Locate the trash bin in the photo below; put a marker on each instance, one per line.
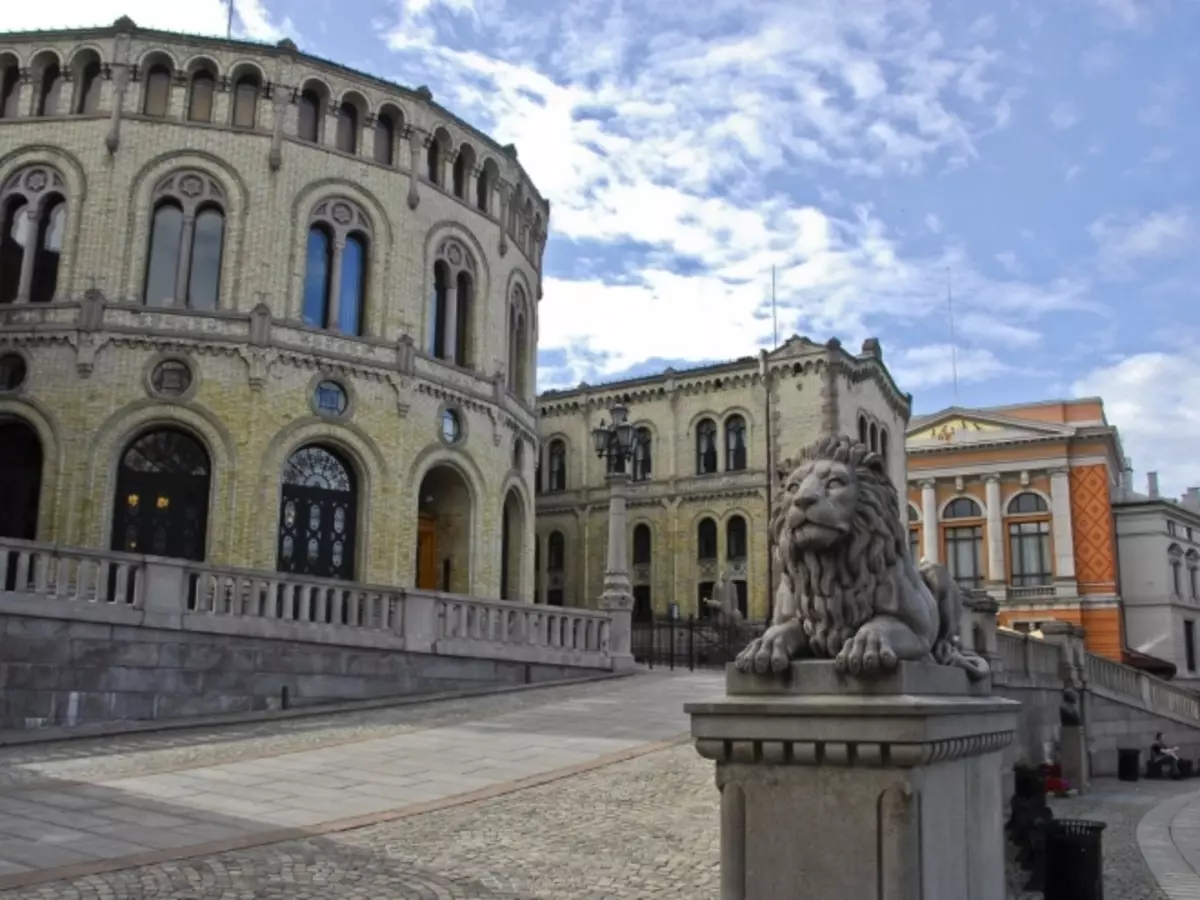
(1074, 860)
(1129, 763)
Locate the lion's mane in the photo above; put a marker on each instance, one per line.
(839, 588)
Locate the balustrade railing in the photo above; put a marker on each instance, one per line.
(71, 575)
(504, 622)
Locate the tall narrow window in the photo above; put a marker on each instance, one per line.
(12, 246)
(873, 438)
(460, 175)
(200, 97)
(643, 456)
(166, 237)
(308, 124)
(87, 92)
(319, 264)
(556, 552)
(10, 92)
(883, 445)
(385, 139)
(347, 127)
(735, 538)
(1189, 644)
(157, 97)
(483, 190)
(735, 444)
(558, 466)
(352, 291)
(245, 102)
(433, 161)
(862, 429)
(1176, 582)
(642, 544)
(50, 92)
(964, 542)
(706, 539)
(204, 279)
(706, 447)
(440, 317)
(1029, 553)
(52, 225)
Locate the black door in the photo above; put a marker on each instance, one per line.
(317, 515)
(20, 480)
(161, 505)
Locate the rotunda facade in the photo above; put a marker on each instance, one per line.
(262, 311)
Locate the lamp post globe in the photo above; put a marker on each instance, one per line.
(616, 443)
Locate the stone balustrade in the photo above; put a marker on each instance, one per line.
(127, 589)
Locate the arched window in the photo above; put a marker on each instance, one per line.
(883, 445)
(964, 542)
(161, 503)
(873, 438)
(862, 429)
(462, 166)
(245, 100)
(1029, 540)
(337, 263)
(1027, 503)
(34, 217)
(735, 444)
(87, 90)
(452, 316)
(318, 514)
(735, 538)
(433, 160)
(385, 138)
(556, 552)
(483, 187)
(20, 482)
(347, 127)
(156, 96)
(10, 90)
(558, 466)
(200, 96)
(706, 447)
(518, 342)
(187, 236)
(706, 539)
(643, 455)
(1175, 554)
(308, 117)
(50, 90)
(642, 544)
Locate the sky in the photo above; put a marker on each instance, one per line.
(1004, 193)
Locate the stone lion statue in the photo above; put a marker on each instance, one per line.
(848, 590)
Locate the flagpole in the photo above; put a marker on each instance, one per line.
(774, 314)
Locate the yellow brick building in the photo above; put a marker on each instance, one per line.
(698, 499)
(264, 311)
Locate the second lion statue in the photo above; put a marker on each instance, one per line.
(848, 590)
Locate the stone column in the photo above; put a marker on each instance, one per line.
(929, 522)
(836, 787)
(450, 338)
(505, 199)
(617, 598)
(1060, 510)
(185, 259)
(995, 530)
(29, 252)
(335, 284)
(415, 143)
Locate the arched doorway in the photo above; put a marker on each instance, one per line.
(161, 503)
(318, 514)
(444, 532)
(20, 480)
(512, 546)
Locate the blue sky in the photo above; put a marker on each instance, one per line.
(1036, 156)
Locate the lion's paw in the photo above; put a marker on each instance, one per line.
(770, 653)
(868, 652)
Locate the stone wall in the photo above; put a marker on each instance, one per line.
(65, 672)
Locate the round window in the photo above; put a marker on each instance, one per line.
(171, 378)
(451, 427)
(12, 371)
(330, 398)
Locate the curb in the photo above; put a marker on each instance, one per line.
(15, 738)
(1175, 876)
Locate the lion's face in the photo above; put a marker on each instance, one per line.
(821, 498)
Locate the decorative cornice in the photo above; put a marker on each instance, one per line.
(882, 755)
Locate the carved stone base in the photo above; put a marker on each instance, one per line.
(1073, 756)
(835, 787)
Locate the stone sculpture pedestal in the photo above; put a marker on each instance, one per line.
(1074, 757)
(835, 787)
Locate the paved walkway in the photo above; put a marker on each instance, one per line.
(1169, 838)
(73, 811)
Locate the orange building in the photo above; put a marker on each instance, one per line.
(1017, 501)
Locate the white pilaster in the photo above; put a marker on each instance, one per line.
(929, 522)
(995, 530)
(1060, 509)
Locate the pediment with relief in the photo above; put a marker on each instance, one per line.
(957, 427)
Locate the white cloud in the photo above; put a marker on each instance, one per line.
(1151, 398)
(1072, 173)
(1124, 241)
(1124, 14)
(936, 365)
(1099, 58)
(1008, 259)
(612, 128)
(1063, 115)
(1159, 107)
(980, 326)
(208, 17)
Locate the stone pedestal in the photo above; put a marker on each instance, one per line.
(1073, 756)
(834, 787)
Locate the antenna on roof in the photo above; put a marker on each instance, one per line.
(229, 23)
(774, 314)
(953, 341)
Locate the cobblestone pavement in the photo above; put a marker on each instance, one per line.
(92, 759)
(1169, 838)
(278, 789)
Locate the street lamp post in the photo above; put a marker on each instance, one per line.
(616, 444)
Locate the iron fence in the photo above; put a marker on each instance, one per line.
(691, 643)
